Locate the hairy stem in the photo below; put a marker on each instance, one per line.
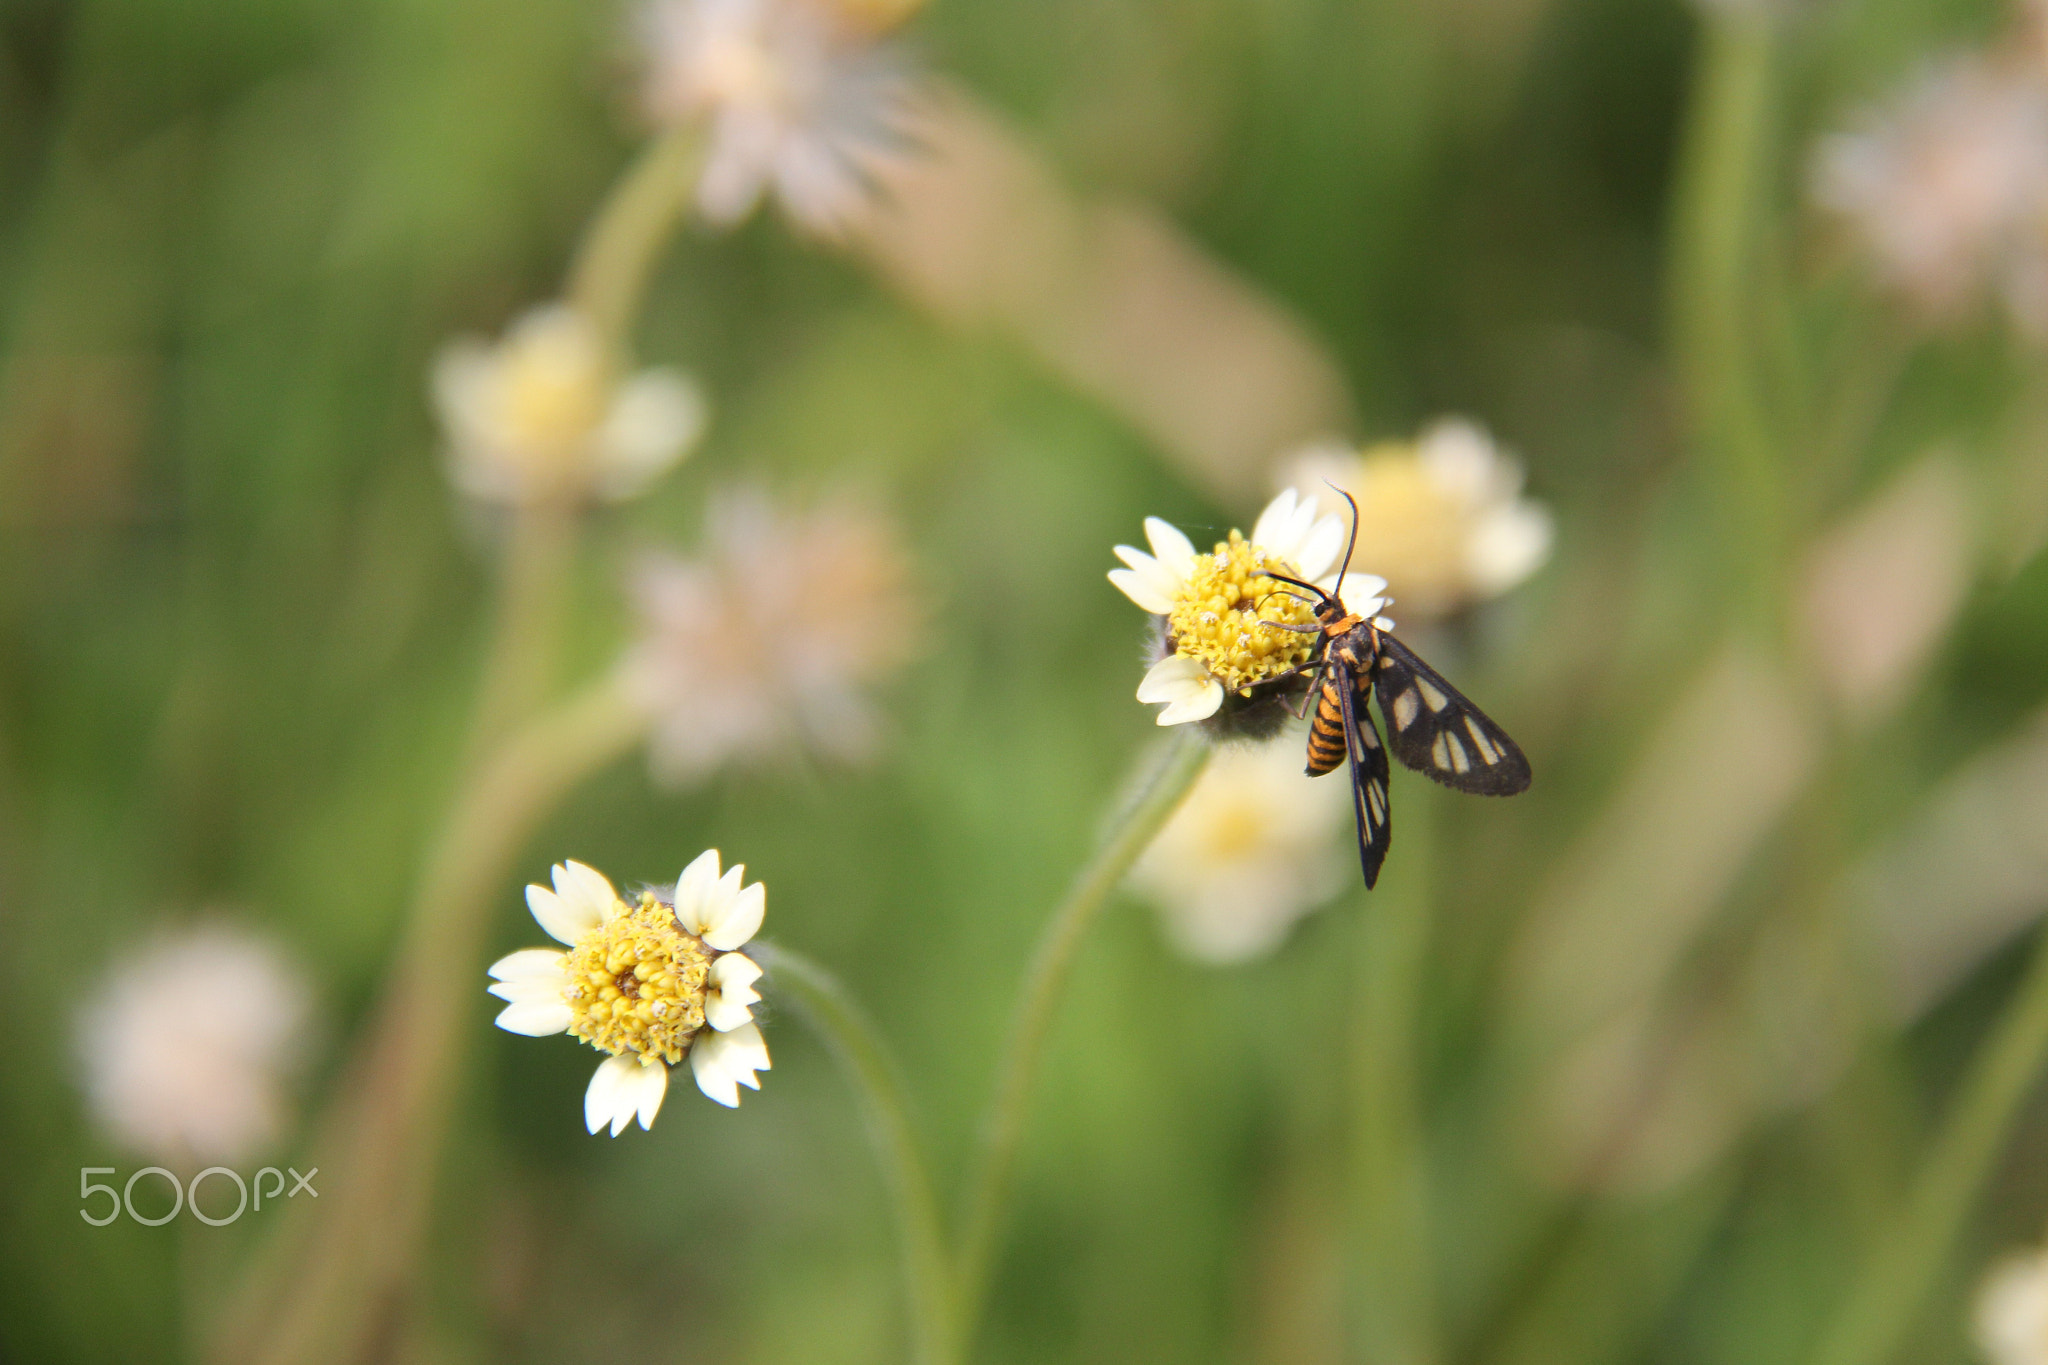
(874, 1073)
(1159, 792)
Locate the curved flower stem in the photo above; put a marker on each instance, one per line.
(874, 1073)
(1158, 793)
(328, 1286)
(609, 275)
(1886, 1297)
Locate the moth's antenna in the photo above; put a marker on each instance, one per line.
(1350, 545)
(1321, 596)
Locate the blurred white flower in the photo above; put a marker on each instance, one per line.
(186, 1045)
(1946, 187)
(799, 97)
(2012, 1312)
(1442, 517)
(768, 642)
(542, 414)
(1255, 846)
(1230, 628)
(648, 983)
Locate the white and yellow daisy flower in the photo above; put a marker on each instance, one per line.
(1229, 629)
(1945, 187)
(650, 983)
(543, 414)
(1253, 848)
(717, 669)
(798, 96)
(1442, 516)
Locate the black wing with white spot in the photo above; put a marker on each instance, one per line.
(1434, 730)
(1368, 779)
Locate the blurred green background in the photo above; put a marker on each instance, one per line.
(241, 619)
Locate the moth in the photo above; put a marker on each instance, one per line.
(1431, 726)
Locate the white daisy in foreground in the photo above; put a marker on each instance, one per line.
(185, 1047)
(2012, 1312)
(650, 983)
(1442, 517)
(799, 96)
(542, 414)
(1947, 187)
(1231, 631)
(1254, 847)
(718, 665)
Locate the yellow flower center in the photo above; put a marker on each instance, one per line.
(555, 393)
(1233, 618)
(1414, 529)
(1236, 827)
(636, 983)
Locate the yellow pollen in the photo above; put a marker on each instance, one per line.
(1226, 612)
(636, 983)
(554, 392)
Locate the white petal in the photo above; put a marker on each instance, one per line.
(534, 974)
(1358, 587)
(736, 917)
(602, 1096)
(465, 379)
(1320, 551)
(536, 1018)
(1185, 685)
(731, 981)
(527, 963)
(1194, 708)
(1508, 545)
(1175, 552)
(530, 990)
(1172, 678)
(1147, 582)
(736, 165)
(1135, 558)
(655, 417)
(1271, 529)
(694, 890)
(722, 1062)
(565, 921)
(588, 892)
(646, 1088)
(1461, 459)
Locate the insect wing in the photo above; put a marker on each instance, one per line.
(1434, 730)
(1368, 778)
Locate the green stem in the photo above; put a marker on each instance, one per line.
(1714, 294)
(1887, 1296)
(874, 1073)
(533, 593)
(608, 278)
(1158, 794)
(1395, 1289)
